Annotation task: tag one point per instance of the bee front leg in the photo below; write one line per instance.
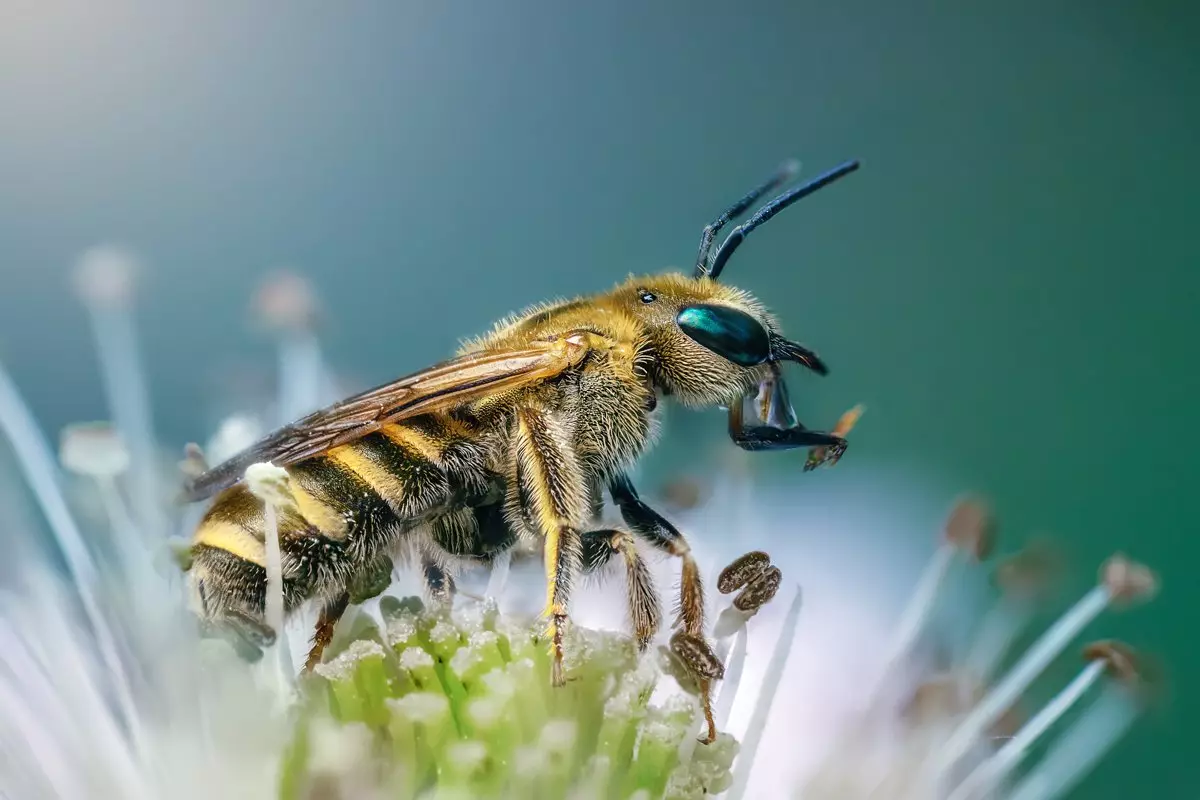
(601, 545)
(652, 527)
(765, 437)
(547, 488)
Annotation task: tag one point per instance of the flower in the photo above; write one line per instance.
(110, 687)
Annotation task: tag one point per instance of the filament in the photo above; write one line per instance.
(766, 698)
(1038, 657)
(1078, 750)
(990, 772)
(38, 465)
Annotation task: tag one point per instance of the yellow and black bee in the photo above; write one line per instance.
(514, 439)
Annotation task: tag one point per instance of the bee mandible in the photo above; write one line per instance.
(514, 439)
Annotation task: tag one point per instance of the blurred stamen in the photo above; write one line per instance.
(968, 530)
(1120, 581)
(37, 463)
(104, 278)
(287, 304)
(988, 774)
(499, 575)
(1080, 747)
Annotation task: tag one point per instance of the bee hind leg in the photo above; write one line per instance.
(323, 634)
(601, 545)
(439, 583)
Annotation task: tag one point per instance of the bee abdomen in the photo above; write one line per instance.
(351, 503)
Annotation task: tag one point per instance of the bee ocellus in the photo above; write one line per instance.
(515, 439)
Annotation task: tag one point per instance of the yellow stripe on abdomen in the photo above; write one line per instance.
(318, 513)
(232, 538)
(385, 484)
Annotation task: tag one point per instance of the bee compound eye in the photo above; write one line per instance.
(728, 332)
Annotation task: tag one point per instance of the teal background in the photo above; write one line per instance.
(1009, 283)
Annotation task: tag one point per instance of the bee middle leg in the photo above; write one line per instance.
(652, 527)
(601, 545)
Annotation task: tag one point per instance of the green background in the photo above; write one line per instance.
(1009, 283)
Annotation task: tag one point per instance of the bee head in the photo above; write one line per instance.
(712, 343)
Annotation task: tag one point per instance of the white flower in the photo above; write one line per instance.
(109, 689)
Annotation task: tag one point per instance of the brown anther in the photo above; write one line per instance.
(1122, 662)
(1128, 581)
(971, 528)
(742, 570)
(287, 302)
(105, 276)
(847, 421)
(941, 697)
(194, 464)
(699, 658)
(759, 591)
(822, 454)
(1031, 573)
(684, 494)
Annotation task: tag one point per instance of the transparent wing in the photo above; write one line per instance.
(438, 388)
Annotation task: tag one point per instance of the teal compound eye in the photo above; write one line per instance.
(729, 333)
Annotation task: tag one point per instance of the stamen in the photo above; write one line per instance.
(235, 433)
(269, 483)
(988, 774)
(1121, 581)
(37, 464)
(734, 669)
(1025, 580)
(104, 278)
(766, 698)
(969, 530)
(499, 575)
(1081, 746)
(287, 304)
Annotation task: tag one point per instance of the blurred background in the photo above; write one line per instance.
(1009, 284)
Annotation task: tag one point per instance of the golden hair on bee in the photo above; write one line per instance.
(516, 438)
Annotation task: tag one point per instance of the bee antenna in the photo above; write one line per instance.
(739, 234)
(786, 171)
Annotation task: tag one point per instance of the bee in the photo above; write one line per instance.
(513, 441)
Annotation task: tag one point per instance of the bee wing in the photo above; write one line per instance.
(440, 387)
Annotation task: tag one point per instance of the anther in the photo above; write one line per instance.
(742, 570)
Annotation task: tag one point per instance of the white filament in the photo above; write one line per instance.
(128, 402)
(915, 616)
(498, 577)
(1078, 750)
(1017, 680)
(37, 463)
(766, 697)
(302, 378)
(992, 771)
(733, 678)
